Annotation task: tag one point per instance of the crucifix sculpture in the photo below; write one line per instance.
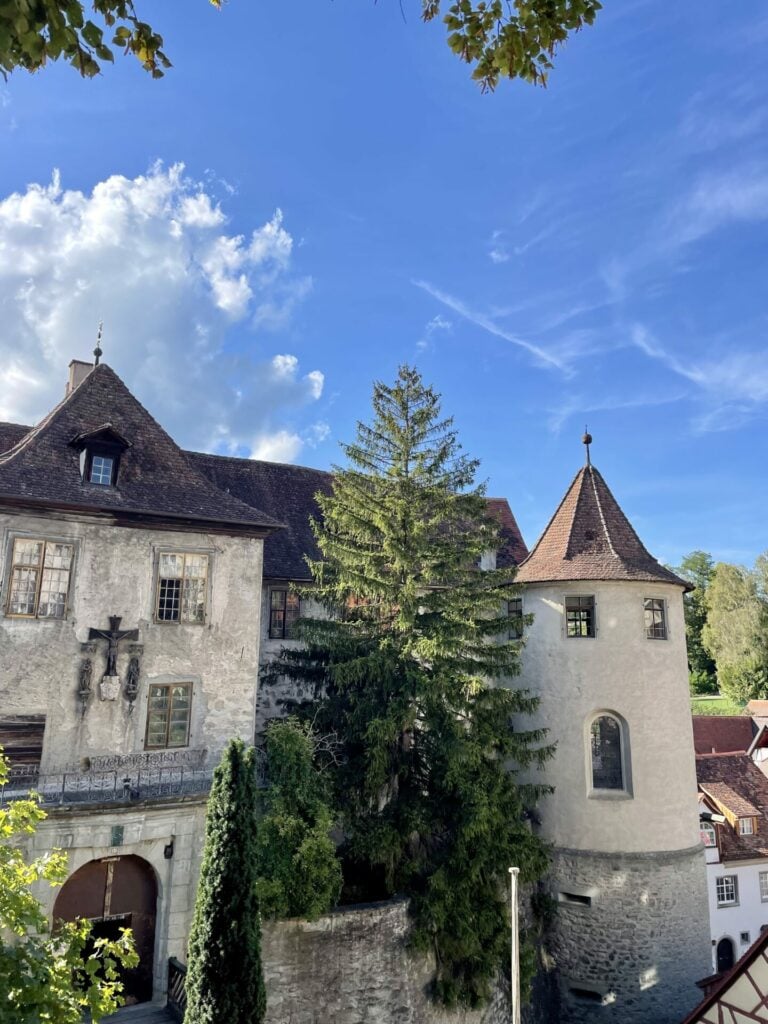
(110, 683)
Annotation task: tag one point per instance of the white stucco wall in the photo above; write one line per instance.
(114, 573)
(749, 915)
(646, 683)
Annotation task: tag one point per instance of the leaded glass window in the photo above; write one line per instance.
(284, 610)
(655, 618)
(168, 715)
(607, 766)
(580, 616)
(182, 587)
(40, 577)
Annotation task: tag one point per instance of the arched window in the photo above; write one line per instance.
(707, 833)
(607, 754)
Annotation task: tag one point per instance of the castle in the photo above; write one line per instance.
(143, 587)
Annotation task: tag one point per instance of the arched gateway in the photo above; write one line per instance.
(115, 893)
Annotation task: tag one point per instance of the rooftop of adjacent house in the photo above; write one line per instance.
(590, 538)
(156, 482)
(734, 785)
(722, 734)
(741, 993)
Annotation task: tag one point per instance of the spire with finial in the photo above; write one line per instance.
(587, 441)
(97, 351)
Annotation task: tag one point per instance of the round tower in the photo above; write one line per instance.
(606, 654)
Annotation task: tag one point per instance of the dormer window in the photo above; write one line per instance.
(102, 470)
(100, 452)
(746, 826)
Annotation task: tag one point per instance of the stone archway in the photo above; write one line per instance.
(114, 893)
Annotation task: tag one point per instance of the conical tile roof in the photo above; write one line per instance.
(590, 538)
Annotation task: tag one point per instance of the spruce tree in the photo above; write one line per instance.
(224, 975)
(413, 671)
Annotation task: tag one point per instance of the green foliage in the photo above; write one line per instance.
(299, 872)
(698, 568)
(404, 673)
(43, 976)
(501, 39)
(224, 975)
(736, 630)
(510, 38)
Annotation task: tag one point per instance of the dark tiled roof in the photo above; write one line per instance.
(513, 549)
(285, 492)
(156, 480)
(11, 434)
(722, 734)
(590, 538)
(735, 784)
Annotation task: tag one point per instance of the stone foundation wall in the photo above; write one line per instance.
(635, 945)
(353, 967)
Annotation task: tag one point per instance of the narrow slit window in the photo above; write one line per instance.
(580, 616)
(40, 577)
(515, 617)
(575, 899)
(284, 610)
(655, 619)
(182, 587)
(168, 715)
(607, 759)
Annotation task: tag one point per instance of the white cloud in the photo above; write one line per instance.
(152, 257)
(282, 446)
(437, 323)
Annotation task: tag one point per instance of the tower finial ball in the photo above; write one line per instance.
(587, 439)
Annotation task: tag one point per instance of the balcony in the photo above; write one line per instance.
(121, 779)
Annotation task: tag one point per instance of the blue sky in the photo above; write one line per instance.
(593, 252)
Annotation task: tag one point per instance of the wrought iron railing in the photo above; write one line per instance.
(108, 779)
(177, 996)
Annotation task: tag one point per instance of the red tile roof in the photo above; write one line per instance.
(513, 548)
(590, 538)
(735, 784)
(722, 734)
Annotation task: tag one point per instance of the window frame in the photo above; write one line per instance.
(284, 633)
(580, 597)
(599, 793)
(10, 564)
(515, 632)
(664, 618)
(182, 553)
(762, 881)
(734, 880)
(189, 686)
(708, 826)
(747, 820)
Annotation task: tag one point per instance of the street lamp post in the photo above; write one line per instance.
(514, 981)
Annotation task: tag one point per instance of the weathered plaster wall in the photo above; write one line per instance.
(638, 947)
(353, 967)
(646, 682)
(114, 574)
(86, 836)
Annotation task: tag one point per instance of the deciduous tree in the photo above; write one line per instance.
(736, 630)
(415, 674)
(498, 38)
(224, 974)
(48, 976)
(698, 568)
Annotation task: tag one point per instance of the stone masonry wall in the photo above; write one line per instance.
(353, 967)
(641, 944)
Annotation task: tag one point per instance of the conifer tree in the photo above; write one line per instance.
(413, 672)
(224, 975)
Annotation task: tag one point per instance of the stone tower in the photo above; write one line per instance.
(606, 653)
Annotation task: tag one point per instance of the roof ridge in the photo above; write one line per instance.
(600, 512)
(246, 460)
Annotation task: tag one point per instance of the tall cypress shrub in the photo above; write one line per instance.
(415, 674)
(224, 975)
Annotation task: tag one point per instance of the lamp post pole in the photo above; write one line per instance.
(514, 981)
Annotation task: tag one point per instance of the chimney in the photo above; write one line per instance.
(78, 371)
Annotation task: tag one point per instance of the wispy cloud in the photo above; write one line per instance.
(485, 323)
(583, 406)
(436, 324)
